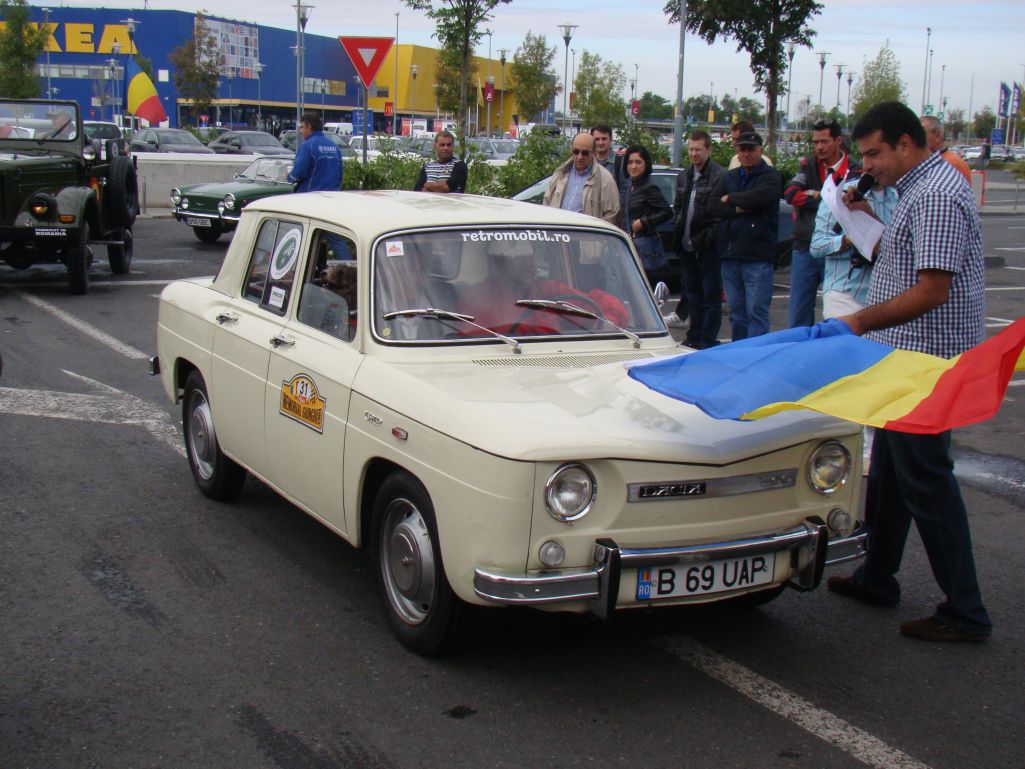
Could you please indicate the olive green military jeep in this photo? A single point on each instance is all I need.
(60, 194)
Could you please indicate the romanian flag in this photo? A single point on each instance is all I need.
(826, 368)
(142, 95)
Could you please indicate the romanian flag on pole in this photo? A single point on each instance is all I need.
(142, 95)
(826, 368)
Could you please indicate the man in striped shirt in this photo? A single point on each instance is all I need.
(446, 174)
(926, 295)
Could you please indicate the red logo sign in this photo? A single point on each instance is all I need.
(635, 108)
(367, 55)
(389, 109)
(489, 93)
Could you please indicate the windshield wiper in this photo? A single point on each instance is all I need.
(431, 312)
(558, 305)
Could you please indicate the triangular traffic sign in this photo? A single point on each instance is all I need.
(367, 55)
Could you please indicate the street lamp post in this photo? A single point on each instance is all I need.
(925, 75)
(259, 66)
(791, 50)
(115, 51)
(637, 80)
(823, 55)
(491, 90)
(839, 76)
(395, 87)
(491, 81)
(323, 91)
(943, 74)
(502, 52)
(46, 24)
(302, 15)
(567, 35)
(412, 107)
(928, 87)
(850, 80)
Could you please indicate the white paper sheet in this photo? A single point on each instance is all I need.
(862, 229)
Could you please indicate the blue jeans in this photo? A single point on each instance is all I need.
(806, 273)
(702, 287)
(912, 478)
(748, 287)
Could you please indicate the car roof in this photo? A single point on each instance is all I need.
(389, 210)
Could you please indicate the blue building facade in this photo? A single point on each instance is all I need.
(89, 48)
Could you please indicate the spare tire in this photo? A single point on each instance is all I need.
(122, 192)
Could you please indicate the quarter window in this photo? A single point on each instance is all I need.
(272, 266)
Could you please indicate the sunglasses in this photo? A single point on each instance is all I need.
(585, 153)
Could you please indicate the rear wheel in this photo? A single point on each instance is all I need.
(207, 234)
(120, 256)
(217, 476)
(422, 609)
(78, 259)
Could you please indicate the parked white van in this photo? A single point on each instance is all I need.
(344, 129)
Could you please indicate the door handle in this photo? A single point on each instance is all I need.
(278, 341)
(224, 317)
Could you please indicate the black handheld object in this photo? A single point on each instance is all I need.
(865, 183)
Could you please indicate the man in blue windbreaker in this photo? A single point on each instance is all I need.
(318, 163)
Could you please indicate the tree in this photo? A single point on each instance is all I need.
(460, 26)
(696, 108)
(449, 79)
(954, 123)
(654, 107)
(533, 75)
(881, 81)
(21, 43)
(762, 28)
(985, 122)
(197, 66)
(598, 85)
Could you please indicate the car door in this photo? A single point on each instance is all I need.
(248, 327)
(310, 378)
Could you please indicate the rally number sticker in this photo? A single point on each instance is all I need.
(301, 401)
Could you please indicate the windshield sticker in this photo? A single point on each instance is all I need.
(285, 254)
(394, 248)
(523, 236)
(277, 297)
(301, 401)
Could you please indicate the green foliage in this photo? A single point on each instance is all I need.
(985, 121)
(762, 28)
(954, 124)
(197, 66)
(633, 134)
(598, 86)
(881, 81)
(654, 107)
(1018, 169)
(21, 43)
(537, 157)
(533, 76)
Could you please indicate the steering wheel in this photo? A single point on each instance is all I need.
(582, 301)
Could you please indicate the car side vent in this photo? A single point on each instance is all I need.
(563, 361)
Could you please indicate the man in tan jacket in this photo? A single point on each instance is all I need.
(582, 185)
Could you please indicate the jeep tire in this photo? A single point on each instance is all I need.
(78, 259)
(120, 256)
(122, 193)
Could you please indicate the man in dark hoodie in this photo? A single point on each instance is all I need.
(746, 200)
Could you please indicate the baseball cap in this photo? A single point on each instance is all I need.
(749, 138)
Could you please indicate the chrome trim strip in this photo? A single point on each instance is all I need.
(704, 488)
(849, 548)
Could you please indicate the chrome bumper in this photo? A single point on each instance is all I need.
(599, 584)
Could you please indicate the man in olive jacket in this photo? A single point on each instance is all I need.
(746, 199)
(584, 186)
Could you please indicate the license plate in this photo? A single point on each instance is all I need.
(704, 578)
(194, 221)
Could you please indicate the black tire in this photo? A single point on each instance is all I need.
(422, 610)
(78, 259)
(122, 192)
(207, 234)
(120, 257)
(216, 476)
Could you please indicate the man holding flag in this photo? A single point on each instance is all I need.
(926, 295)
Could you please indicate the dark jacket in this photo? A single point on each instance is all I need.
(703, 225)
(644, 200)
(749, 233)
(808, 177)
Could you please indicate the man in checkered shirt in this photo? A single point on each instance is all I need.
(927, 295)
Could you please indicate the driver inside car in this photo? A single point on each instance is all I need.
(514, 277)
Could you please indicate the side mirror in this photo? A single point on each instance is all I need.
(661, 294)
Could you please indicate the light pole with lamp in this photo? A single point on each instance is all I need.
(115, 62)
(925, 75)
(943, 74)
(412, 106)
(130, 25)
(323, 92)
(395, 96)
(839, 76)
(491, 91)
(711, 100)
(567, 35)
(302, 15)
(791, 50)
(46, 23)
(928, 87)
(850, 80)
(259, 67)
(823, 55)
(491, 80)
(501, 102)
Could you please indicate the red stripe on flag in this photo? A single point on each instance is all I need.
(152, 110)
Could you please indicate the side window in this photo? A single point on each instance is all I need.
(330, 295)
(272, 265)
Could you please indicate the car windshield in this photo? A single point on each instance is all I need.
(267, 169)
(174, 136)
(488, 283)
(259, 140)
(50, 121)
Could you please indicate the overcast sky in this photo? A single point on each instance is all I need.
(983, 38)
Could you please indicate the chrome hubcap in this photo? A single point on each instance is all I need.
(202, 439)
(407, 561)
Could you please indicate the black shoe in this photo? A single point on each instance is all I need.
(845, 587)
(931, 629)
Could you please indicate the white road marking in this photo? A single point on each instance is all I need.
(101, 283)
(820, 723)
(115, 407)
(89, 330)
(1008, 248)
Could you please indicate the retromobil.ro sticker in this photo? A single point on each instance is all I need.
(301, 401)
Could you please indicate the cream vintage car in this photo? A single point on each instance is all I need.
(443, 379)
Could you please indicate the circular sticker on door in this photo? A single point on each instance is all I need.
(285, 254)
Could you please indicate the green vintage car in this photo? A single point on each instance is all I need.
(214, 208)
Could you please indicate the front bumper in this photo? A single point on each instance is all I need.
(599, 583)
(224, 221)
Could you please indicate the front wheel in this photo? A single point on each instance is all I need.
(78, 260)
(422, 610)
(207, 234)
(217, 476)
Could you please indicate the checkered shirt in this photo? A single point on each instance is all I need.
(935, 227)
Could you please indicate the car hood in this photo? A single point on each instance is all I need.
(566, 407)
(200, 150)
(237, 188)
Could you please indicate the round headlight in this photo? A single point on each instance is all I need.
(176, 196)
(229, 201)
(185, 203)
(829, 467)
(570, 492)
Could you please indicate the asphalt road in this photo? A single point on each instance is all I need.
(142, 625)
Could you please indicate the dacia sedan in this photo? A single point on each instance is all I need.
(443, 379)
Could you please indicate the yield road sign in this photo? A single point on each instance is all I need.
(367, 55)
